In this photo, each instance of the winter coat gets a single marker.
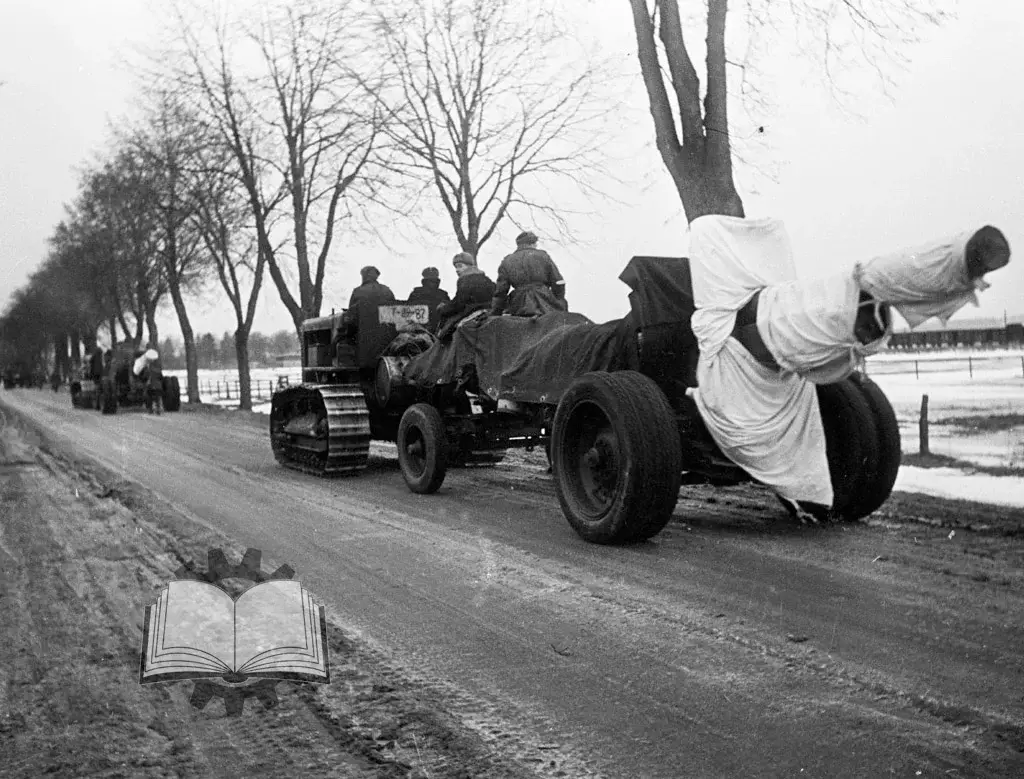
(527, 280)
(370, 294)
(473, 291)
(430, 295)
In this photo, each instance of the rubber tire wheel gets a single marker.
(108, 398)
(851, 444)
(645, 435)
(889, 445)
(171, 392)
(422, 421)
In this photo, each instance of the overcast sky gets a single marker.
(947, 154)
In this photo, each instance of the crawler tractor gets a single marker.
(117, 385)
(608, 402)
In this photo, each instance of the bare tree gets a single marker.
(694, 140)
(119, 207)
(168, 142)
(298, 125)
(223, 220)
(483, 99)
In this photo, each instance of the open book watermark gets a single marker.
(234, 645)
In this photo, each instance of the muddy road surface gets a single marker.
(736, 643)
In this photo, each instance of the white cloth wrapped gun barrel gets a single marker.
(765, 417)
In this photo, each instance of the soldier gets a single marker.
(95, 369)
(532, 277)
(431, 295)
(474, 292)
(150, 373)
(370, 293)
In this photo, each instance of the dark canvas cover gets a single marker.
(543, 371)
(662, 290)
(488, 346)
(536, 359)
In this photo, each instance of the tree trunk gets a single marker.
(189, 339)
(112, 326)
(154, 335)
(705, 186)
(700, 162)
(242, 355)
(61, 363)
(76, 349)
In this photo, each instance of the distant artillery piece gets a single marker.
(125, 377)
(20, 374)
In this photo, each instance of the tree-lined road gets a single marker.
(735, 643)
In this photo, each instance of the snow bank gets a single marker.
(963, 485)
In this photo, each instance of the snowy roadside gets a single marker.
(962, 484)
(953, 397)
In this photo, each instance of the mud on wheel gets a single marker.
(616, 457)
(422, 448)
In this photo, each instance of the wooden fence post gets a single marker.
(922, 426)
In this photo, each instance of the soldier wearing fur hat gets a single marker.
(529, 283)
(473, 292)
(370, 293)
(430, 294)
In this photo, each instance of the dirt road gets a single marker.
(735, 644)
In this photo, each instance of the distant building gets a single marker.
(1011, 335)
(288, 360)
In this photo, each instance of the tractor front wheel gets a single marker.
(422, 448)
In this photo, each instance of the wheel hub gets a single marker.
(600, 469)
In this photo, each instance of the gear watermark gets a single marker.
(234, 645)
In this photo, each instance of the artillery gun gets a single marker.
(116, 383)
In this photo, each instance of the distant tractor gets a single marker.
(608, 402)
(126, 378)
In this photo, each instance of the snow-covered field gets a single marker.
(994, 385)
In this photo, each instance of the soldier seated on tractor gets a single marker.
(473, 292)
(369, 295)
(430, 294)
